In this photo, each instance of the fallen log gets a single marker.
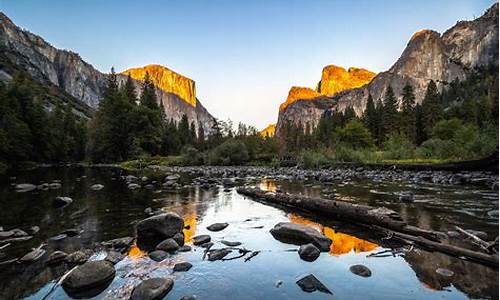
(381, 219)
(352, 212)
(475, 239)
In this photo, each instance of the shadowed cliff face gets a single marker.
(427, 56)
(22, 50)
(335, 79)
(166, 80)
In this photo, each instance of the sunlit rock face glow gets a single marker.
(167, 80)
(268, 131)
(298, 93)
(335, 79)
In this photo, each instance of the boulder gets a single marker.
(168, 245)
(158, 255)
(179, 238)
(299, 234)
(89, 279)
(309, 252)
(61, 201)
(77, 258)
(311, 284)
(217, 226)
(152, 289)
(201, 239)
(160, 227)
(182, 267)
(56, 257)
(361, 270)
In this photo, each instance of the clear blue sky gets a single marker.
(243, 55)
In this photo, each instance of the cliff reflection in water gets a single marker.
(342, 243)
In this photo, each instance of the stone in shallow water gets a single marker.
(218, 254)
(201, 239)
(25, 187)
(179, 238)
(61, 201)
(182, 267)
(158, 228)
(299, 234)
(56, 257)
(77, 258)
(188, 297)
(184, 248)
(230, 244)
(217, 226)
(445, 272)
(311, 284)
(158, 255)
(361, 270)
(309, 252)
(114, 257)
(96, 187)
(89, 279)
(152, 289)
(32, 256)
(168, 245)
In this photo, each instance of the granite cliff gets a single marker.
(67, 72)
(428, 55)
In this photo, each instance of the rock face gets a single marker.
(268, 131)
(68, 72)
(335, 79)
(427, 56)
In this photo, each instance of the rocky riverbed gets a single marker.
(186, 232)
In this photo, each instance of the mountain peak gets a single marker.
(268, 131)
(166, 80)
(299, 93)
(335, 79)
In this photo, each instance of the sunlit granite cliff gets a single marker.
(428, 55)
(268, 131)
(335, 79)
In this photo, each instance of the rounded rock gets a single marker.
(152, 289)
(309, 252)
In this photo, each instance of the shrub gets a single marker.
(231, 152)
(355, 135)
(191, 156)
(398, 146)
(313, 159)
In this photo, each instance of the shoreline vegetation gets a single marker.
(129, 130)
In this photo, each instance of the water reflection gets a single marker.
(268, 185)
(342, 243)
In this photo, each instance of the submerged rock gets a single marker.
(152, 289)
(120, 244)
(184, 248)
(160, 227)
(182, 267)
(230, 244)
(445, 272)
(217, 226)
(309, 252)
(311, 284)
(179, 238)
(218, 254)
(32, 256)
(114, 257)
(201, 239)
(360, 270)
(299, 234)
(89, 279)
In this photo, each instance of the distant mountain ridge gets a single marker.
(427, 56)
(67, 71)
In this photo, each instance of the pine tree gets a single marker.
(129, 91)
(408, 121)
(420, 136)
(389, 113)
(431, 109)
(148, 94)
(370, 117)
(201, 136)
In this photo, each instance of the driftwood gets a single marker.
(356, 213)
(380, 219)
(475, 239)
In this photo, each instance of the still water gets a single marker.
(111, 212)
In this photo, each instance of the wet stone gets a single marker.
(360, 270)
(158, 255)
(96, 187)
(32, 256)
(218, 254)
(217, 226)
(207, 245)
(77, 258)
(89, 279)
(168, 245)
(25, 187)
(114, 257)
(311, 284)
(61, 201)
(230, 244)
(179, 238)
(158, 228)
(299, 234)
(120, 244)
(445, 272)
(309, 252)
(152, 289)
(182, 267)
(201, 239)
(184, 248)
(56, 257)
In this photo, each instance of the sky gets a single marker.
(243, 55)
